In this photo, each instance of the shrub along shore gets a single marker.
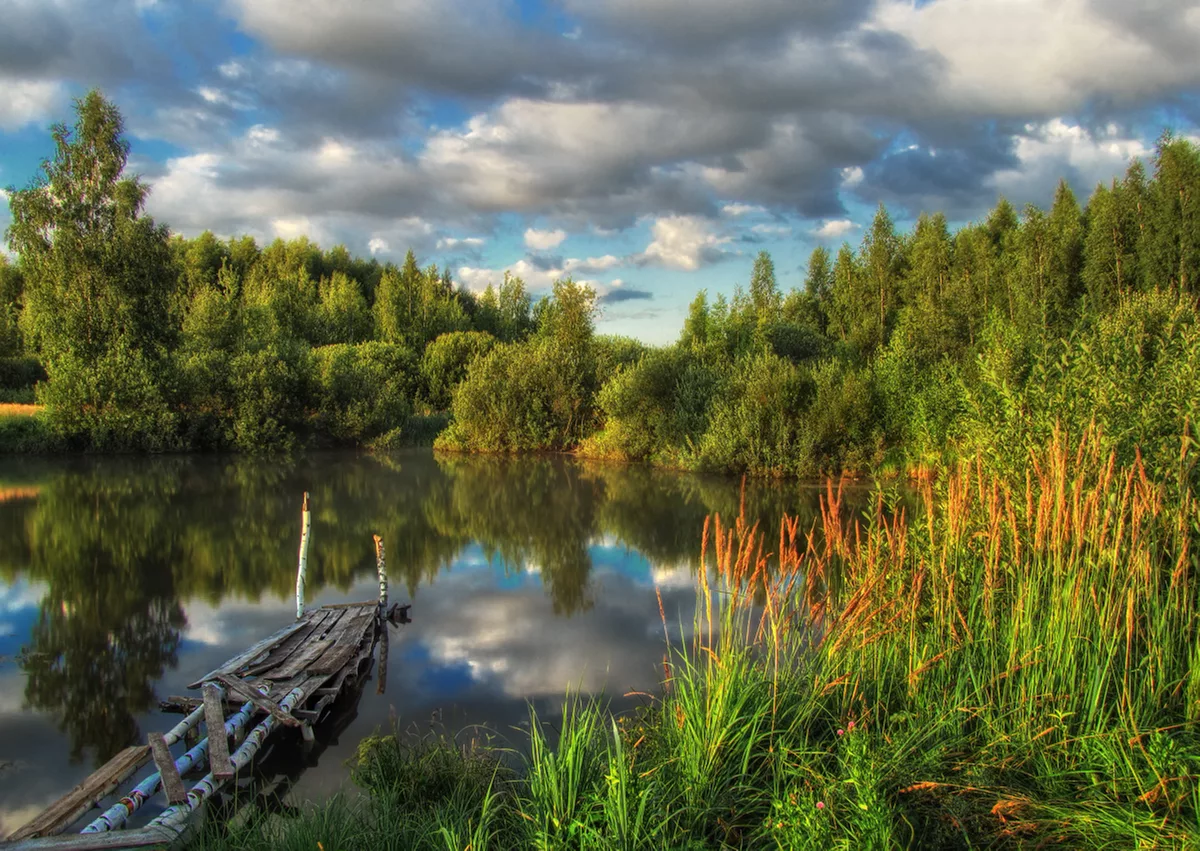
(1014, 665)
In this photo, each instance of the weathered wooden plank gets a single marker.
(109, 840)
(251, 654)
(300, 663)
(63, 812)
(218, 742)
(280, 653)
(347, 642)
(171, 781)
(239, 688)
(334, 606)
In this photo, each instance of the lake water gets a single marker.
(122, 580)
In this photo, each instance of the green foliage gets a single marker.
(446, 361)
(112, 402)
(517, 398)
(267, 389)
(658, 408)
(362, 391)
(755, 420)
(1133, 375)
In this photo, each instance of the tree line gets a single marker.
(903, 351)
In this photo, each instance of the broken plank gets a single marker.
(109, 840)
(218, 741)
(251, 694)
(171, 781)
(251, 654)
(299, 663)
(347, 642)
(63, 812)
(282, 651)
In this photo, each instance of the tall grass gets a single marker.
(1015, 665)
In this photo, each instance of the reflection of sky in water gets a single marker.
(531, 577)
(484, 640)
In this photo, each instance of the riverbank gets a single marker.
(1015, 666)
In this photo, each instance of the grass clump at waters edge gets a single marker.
(1016, 666)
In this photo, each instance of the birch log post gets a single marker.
(381, 569)
(305, 527)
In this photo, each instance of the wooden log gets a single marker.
(146, 837)
(381, 685)
(218, 742)
(242, 658)
(252, 695)
(302, 569)
(62, 813)
(381, 569)
(172, 782)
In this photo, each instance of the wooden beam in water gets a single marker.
(218, 742)
(171, 781)
(63, 812)
(252, 695)
(111, 840)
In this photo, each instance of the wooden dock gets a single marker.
(290, 679)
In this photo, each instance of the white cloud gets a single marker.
(378, 246)
(771, 230)
(24, 102)
(852, 176)
(684, 242)
(835, 228)
(1017, 57)
(232, 70)
(544, 240)
(449, 242)
(1060, 148)
(739, 209)
(591, 264)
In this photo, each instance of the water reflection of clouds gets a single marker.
(485, 641)
(18, 610)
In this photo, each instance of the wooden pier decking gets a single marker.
(290, 679)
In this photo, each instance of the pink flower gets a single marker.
(851, 725)
(820, 805)
(841, 732)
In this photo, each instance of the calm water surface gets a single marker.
(121, 580)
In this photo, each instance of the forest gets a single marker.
(899, 355)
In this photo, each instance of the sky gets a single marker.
(649, 147)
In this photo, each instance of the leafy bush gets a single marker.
(112, 403)
(755, 422)
(445, 362)
(362, 391)
(518, 397)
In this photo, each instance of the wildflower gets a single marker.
(841, 732)
(850, 725)
(820, 805)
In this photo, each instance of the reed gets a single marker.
(1015, 664)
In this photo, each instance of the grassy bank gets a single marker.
(1014, 667)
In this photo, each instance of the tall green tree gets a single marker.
(97, 271)
(99, 286)
(1171, 249)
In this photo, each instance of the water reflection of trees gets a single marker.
(121, 542)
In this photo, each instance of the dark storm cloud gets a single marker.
(623, 294)
(947, 170)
